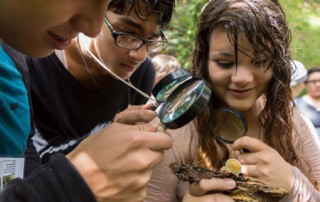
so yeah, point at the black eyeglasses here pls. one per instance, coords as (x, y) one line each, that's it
(133, 42)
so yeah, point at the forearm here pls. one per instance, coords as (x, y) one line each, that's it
(60, 144)
(302, 189)
(57, 180)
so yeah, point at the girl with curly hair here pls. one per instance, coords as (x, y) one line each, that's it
(242, 50)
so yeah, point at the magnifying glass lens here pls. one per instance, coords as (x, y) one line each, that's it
(183, 101)
(228, 125)
(167, 90)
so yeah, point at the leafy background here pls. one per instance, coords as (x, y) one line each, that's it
(303, 17)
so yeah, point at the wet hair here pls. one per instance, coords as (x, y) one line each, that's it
(145, 8)
(264, 24)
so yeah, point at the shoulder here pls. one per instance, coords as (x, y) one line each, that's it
(303, 130)
(12, 57)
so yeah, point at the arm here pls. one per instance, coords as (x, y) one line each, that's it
(59, 144)
(265, 164)
(302, 189)
(55, 181)
(115, 164)
(308, 167)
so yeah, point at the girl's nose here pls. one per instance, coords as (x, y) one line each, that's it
(242, 76)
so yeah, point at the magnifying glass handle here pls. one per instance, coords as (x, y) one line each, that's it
(244, 150)
(161, 128)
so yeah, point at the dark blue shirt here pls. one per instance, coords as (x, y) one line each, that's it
(309, 111)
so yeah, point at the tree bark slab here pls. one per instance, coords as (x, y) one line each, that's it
(247, 190)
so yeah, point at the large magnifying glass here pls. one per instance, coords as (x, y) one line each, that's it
(228, 125)
(179, 97)
(185, 99)
(169, 83)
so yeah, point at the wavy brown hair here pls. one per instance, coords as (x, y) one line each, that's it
(264, 24)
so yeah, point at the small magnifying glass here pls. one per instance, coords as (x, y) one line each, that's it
(228, 125)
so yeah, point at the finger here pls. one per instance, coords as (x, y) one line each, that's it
(148, 105)
(249, 143)
(147, 159)
(250, 171)
(214, 184)
(249, 158)
(134, 107)
(217, 197)
(156, 141)
(160, 141)
(135, 116)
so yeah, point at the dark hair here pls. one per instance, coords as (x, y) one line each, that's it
(264, 25)
(164, 7)
(313, 70)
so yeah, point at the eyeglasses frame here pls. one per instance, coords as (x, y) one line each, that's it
(115, 35)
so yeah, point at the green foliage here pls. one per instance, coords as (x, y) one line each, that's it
(302, 15)
(181, 33)
(304, 21)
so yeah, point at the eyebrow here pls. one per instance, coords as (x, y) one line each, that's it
(223, 53)
(128, 21)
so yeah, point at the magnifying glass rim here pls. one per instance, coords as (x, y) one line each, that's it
(238, 114)
(199, 104)
(169, 79)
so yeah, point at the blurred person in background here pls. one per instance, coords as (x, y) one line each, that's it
(164, 64)
(299, 76)
(309, 104)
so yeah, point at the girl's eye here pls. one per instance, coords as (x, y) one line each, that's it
(225, 64)
(261, 63)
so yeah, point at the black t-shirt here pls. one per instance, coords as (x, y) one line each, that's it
(65, 110)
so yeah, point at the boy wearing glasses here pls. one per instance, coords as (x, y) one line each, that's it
(309, 104)
(104, 166)
(73, 96)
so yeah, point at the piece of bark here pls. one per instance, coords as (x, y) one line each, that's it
(246, 190)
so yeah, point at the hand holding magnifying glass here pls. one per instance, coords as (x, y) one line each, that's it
(179, 97)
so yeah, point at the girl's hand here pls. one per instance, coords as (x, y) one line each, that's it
(209, 190)
(264, 163)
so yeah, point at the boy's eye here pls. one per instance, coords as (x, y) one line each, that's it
(126, 31)
(225, 64)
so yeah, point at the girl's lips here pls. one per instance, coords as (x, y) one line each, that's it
(241, 93)
(59, 42)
